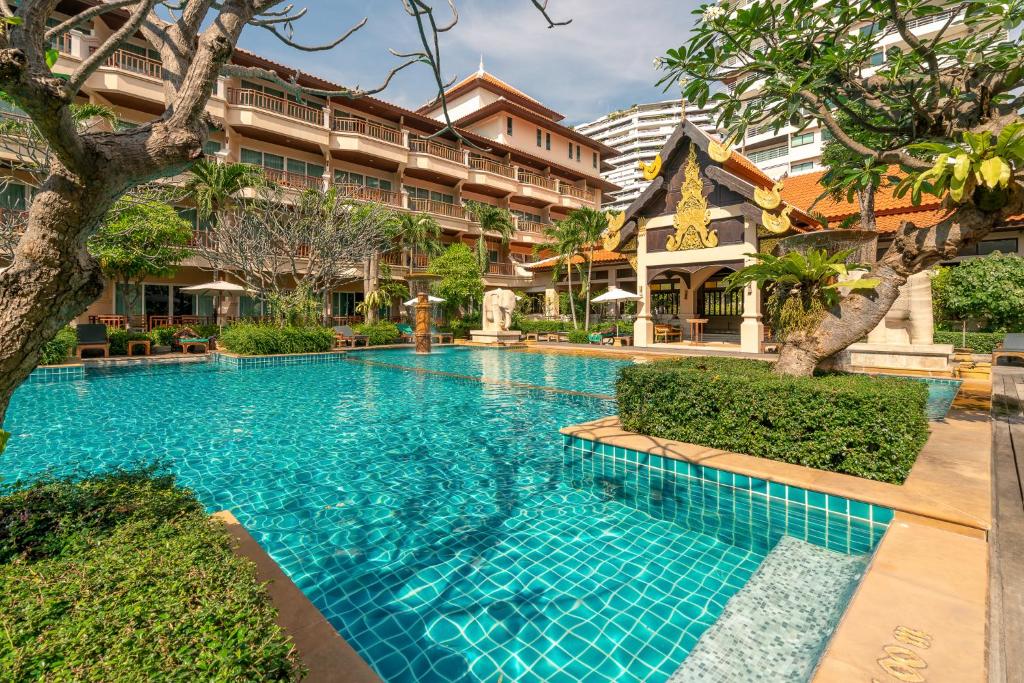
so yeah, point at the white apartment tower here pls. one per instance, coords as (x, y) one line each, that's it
(638, 133)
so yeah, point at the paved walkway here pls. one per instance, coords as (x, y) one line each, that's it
(1006, 647)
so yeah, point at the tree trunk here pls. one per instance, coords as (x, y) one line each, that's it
(572, 302)
(913, 250)
(586, 299)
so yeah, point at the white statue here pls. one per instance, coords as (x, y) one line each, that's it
(910, 320)
(498, 307)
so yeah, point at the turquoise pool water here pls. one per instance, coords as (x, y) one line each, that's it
(439, 523)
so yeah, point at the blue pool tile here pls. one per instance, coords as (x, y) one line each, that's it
(880, 515)
(740, 481)
(758, 485)
(860, 510)
(816, 499)
(837, 504)
(777, 490)
(795, 494)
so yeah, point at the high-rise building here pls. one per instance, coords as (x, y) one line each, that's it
(638, 133)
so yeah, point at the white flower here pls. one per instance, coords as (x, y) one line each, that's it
(712, 13)
(659, 62)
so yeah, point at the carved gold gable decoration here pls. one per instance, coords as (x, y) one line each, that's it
(777, 223)
(769, 199)
(652, 169)
(692, 213)
(613, 233)
(720, 151)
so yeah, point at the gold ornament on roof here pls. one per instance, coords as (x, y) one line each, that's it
(632, 258)
(777, 223)
(613, 233)
(652, 169)
(720, 151)
(769, 199)
(692, 213)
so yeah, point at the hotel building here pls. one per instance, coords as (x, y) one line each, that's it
(519, 157)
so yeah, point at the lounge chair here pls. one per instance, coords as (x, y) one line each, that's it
(92, 336)
(441, 336)
(667, 333)
(187, 339)
(346, 336)
(602, 337)
(408, 336)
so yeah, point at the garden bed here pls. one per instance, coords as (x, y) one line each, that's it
(124, 577)
(853, 424)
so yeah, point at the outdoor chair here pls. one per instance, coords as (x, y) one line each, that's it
(408, 336)
(667, 333)
(441, 336)
(346, 336)
(187, 339)
(92, 336)
(602, 337)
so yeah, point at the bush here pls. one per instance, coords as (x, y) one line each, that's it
(978, 342)
(124, 577)
(379, 333)
(869, 427)
(579, 337)
(162, 336)
(250, 339)
(119, 339)
(57, 350)
(526, 326)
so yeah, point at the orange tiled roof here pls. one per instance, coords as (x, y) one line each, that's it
(493, 80)
(547, 262)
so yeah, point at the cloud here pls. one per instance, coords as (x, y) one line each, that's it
(600, 62)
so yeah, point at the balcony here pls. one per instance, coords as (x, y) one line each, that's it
(502, 269)
(489, 176)
(574, 197)
(298, 181)
(278, 105)
(532, 227)
(354, 139)
(437, 208)
(539, 189)
(62, 44)
(363, 193)
(434, 161)
(136, 64)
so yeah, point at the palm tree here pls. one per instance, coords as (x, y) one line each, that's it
(590, 223)
(214, 187)
(494, 220)
(567, 243)
(420, 233)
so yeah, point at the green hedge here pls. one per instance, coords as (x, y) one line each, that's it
(119, 339)
(979, 342)
(57, 350)
(379, 333)
(123, 577)
(865, 426)
(460, 327)
(249, 339)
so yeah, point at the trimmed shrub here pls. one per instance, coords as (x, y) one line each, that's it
(870, 427)
(579, 337)
(379, 333)
(542, 326)
(460, 327)
(119, 339)
(163, 336)
(57, 350)
(124, 577)
(249, 339)
(978, 342)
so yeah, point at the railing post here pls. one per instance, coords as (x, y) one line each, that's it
(405, 138)
(327, 117)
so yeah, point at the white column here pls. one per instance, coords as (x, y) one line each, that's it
(751, 329)
(643, 327)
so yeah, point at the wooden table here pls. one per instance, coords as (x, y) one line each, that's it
(144, 343)
(186, 345)
(624, 340)
(697, 328)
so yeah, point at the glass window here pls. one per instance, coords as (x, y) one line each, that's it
(344, 303)
(508, 125)
(212, 147)
(570, 151)
(538, 137)
(187, 214)
(547, 141)
(440, 197)
(296, 166)
(128, 299)
(12, 196)
(273, 161)
(417, 192)
(801, 139)
(802, 166)
(385, 185)
(595, 159)
(876, 58)
(577, 152)
(492, 255)
(249, 307)
(869, 30)
(314, 170)
(251, 156)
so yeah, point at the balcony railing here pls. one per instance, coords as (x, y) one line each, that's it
(296, 180)
(418, 261)
(577, 192)
(278, 105)
(129, 61)
(507, 269)
(62, 43)
(492, 166)
(436, 207)
(766, 154)
(435, 149)
(371, 129)
(369, 194)
(531, 226)
(393, 258)
(528, 178)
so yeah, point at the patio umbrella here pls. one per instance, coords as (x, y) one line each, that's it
(615, 295)
(217, 288)
(430, 297)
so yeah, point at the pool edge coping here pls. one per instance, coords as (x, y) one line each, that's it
(322, 650)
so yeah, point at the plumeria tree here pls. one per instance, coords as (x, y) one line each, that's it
(52, 278)
(939, 116)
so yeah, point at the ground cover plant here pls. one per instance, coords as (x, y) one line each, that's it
(252, 339)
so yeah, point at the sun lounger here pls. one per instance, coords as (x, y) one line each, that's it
(441, 336)
(346, 336)
(92, 336)
(406, 332)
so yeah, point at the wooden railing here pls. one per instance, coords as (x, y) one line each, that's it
(507, 269)
(369, 194)
(129, 61)
(203, 238)
(436, 207)
(435, 149)
(419, 261)
(372, 129)
(297, 180)
(528, 178)
(577, 192)
(491, 166)
(393, 258)
(531, 226)
(278, 105)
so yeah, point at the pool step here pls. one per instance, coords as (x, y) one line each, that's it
(776, 627)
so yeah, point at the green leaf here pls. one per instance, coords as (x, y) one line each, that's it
(52, 56)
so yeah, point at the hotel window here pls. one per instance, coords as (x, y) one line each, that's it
(508, 125)
(12, 196)
(869, 30)
(876, 59)
(251, 156)
(538, 137)
(423, 193)
(273, 161)
(1006, 245)
(595, 159)
(547, 141)
(801, 167)
(212, 147)
(303, 168)
(570, 151)
(801, 139)
(577, 152)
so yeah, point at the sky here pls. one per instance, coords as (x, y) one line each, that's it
(600, 62)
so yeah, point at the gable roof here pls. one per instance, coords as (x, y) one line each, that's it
(488, 81)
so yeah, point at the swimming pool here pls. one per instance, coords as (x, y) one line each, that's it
(439, 522)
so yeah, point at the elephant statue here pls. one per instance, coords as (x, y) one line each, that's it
(498, 307)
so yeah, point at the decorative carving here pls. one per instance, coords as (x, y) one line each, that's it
(777, 223)
(692, 213)
(613, 234)
(769, 199)
(632, 258)
(652, 169)
(498, 307)
(720, 151)
(641, 227)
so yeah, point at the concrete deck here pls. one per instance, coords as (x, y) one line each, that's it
(1006, 662)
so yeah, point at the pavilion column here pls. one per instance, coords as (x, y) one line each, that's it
(751, 329)
(643, 327)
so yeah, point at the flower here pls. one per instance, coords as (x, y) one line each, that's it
(712, 13)
(658, 62)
